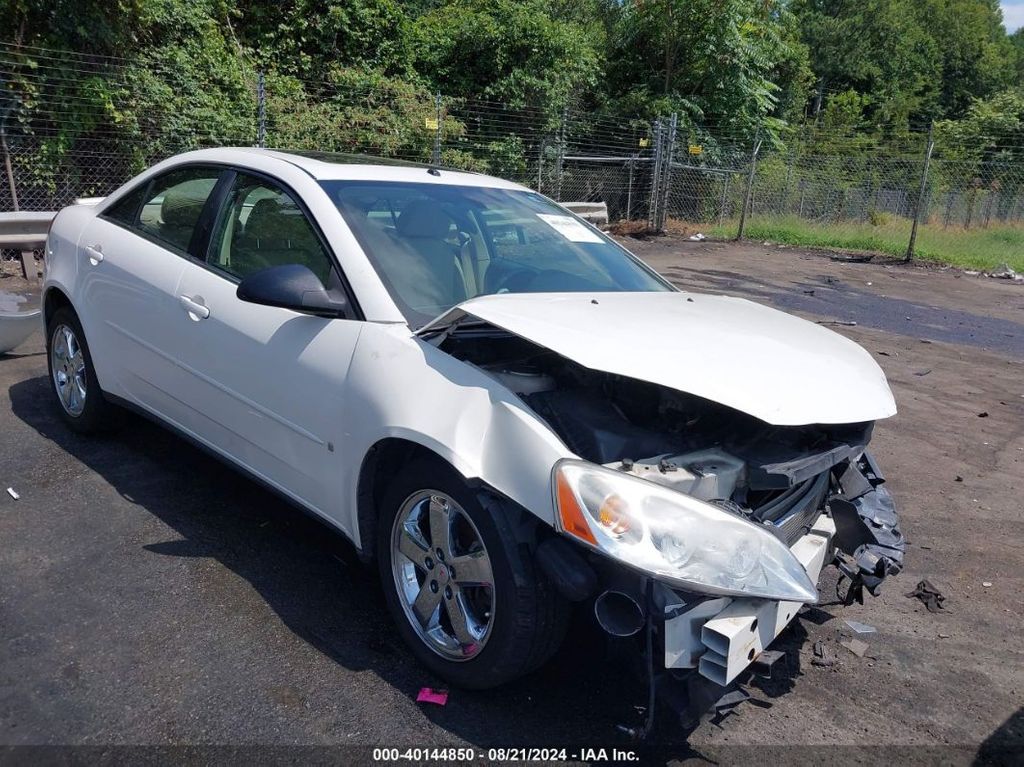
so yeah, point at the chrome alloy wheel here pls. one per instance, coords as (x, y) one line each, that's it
(67, 361)
(443, 575)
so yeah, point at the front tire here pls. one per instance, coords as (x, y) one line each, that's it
(460, 581)
(80, 400)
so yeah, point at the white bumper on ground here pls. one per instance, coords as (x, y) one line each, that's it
(721, 637)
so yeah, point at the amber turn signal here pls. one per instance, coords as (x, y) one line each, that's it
(570, 514)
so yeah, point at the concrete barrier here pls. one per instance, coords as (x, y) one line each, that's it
(594, 212)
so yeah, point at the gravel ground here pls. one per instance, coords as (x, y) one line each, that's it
(149, 595)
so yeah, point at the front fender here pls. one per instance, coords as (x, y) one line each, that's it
(402, 387)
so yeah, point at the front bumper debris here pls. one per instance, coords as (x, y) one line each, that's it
(869, 543)
(858, 531)
(721, 637)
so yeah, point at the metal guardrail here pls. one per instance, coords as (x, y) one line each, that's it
(26, 232)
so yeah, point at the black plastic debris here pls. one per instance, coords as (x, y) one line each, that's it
(731, 699)
(983, 414)
(930, 596)
(763, 663)
(870, 545)
(852, 258)
(923, 372)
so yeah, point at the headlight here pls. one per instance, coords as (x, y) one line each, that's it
(674, 537)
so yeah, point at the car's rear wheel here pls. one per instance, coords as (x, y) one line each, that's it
(80, 401)
(460, 583)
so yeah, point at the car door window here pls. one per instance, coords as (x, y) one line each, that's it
(172, 206)
(262, 226)
(126, 210)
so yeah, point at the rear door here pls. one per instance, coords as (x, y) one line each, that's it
(265, 385)
(131, 259)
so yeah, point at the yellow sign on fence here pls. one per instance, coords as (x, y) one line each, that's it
(696, 149)
(430, 123)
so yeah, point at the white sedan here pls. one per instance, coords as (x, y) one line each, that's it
(497, 403)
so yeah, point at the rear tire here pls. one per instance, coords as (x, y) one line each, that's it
(80, 401)
(494, 634)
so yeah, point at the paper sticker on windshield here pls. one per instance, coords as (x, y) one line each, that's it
(569, 228)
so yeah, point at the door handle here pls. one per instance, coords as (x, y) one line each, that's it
(196, 310)
(95, 253)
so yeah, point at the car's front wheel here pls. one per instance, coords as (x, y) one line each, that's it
(461, 582)
(73, 377)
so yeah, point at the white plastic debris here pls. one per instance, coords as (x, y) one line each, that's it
(11, 492)
(696, 237)
(986, 584)
(1005, 272)
(861, 628)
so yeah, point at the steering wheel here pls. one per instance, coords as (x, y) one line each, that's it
(511, 279)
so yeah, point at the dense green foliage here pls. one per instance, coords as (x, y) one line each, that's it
(157, 75)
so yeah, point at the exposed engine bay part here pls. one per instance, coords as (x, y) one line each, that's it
(705, 474)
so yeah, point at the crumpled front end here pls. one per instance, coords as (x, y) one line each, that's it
(688, 521)
(853, 525)
(842, 516)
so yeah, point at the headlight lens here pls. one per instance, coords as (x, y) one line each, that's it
(680, 539)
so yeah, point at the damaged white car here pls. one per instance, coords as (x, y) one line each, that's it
(497, 403)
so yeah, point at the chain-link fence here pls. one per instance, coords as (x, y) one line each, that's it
(805, 184)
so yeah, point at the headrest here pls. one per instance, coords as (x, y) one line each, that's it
(266, 219)
(183, 203)
(424, 218)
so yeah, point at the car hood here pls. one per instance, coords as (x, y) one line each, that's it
(769, 364)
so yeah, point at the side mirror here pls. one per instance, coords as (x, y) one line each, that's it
(291, 286)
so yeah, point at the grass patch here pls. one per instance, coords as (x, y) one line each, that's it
(970, 248)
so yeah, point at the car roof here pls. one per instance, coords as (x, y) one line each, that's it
(337, 166)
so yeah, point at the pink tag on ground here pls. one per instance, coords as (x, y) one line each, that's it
(428, 695)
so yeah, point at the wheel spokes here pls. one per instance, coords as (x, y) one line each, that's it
(439, 558)
(70, 344)
(413, 547)
(64, 388)
(426, 605)
(458, 615)
(440, 525)
(472, 569)
(60, 346)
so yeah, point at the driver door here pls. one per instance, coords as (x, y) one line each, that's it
(265, 385)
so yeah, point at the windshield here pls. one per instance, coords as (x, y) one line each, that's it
(436, 245)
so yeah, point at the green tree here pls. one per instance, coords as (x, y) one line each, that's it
(505, 50)
(1017, 41)
(306, 38)
(914, 60)
(731, 62)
